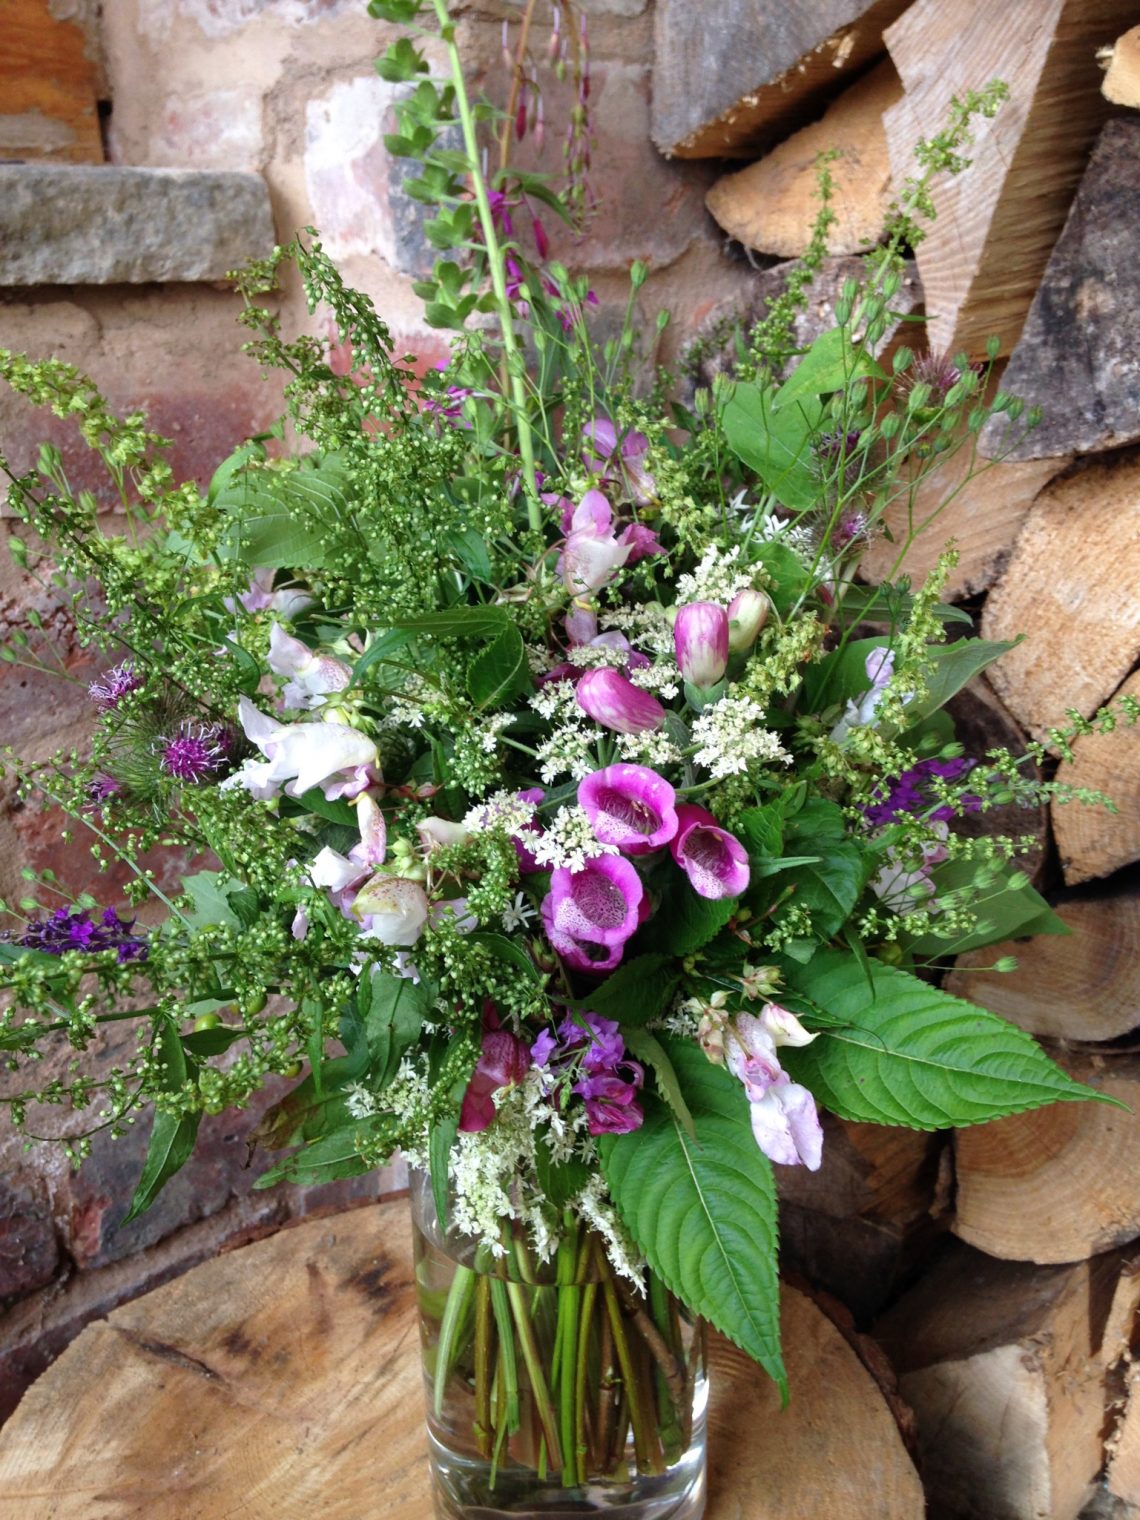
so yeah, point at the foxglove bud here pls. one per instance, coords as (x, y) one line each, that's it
(747, 613)
(700, 640)
(612, 700)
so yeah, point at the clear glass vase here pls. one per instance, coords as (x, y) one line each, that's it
(555, 1388)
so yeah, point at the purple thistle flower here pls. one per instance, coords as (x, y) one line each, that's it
(837, 445)
(851, 525)
(63, 930)
(910, 793)
(110, 689)
(195, 752)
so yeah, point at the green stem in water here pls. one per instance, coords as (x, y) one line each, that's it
(581, 1364)
(483, 1321)
(516, 364)
(531, 1356)
(569, 1303)
(508, 1362)
(454, 1312)
(642, 1442)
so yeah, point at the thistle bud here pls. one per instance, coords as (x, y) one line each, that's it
(700, 642)
(747, 613)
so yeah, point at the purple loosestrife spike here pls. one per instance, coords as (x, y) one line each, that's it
(110, 689)
(747, 613)
(700, 641)
(629, 806)
(612, 700)
(714, 860)
(64, 930)
(195, 752)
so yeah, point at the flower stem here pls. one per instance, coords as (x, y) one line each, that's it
(533, 1360)
(516, 364)
(581, 1364)
(454, 1312)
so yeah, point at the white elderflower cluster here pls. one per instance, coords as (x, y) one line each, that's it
(359, 1102)
(569, 841)
(503, 811)
(492, 726)
(555, 701)
(589, 656)
(717, 578)
(647, 627)
(799, 538)
(569, 751)
(594, 1206)
(653, 749)
(663, 679)
(730, 735)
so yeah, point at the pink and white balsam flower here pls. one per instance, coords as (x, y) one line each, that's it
(601, 455)
(612, 700)
(313, 676)
(629, 806)
(860, 712)
(591, 554)
(700, 642)
(590, 914)
(298, 756)
(785, 1123)
(714, 860)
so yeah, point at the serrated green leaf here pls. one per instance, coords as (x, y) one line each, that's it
(649, 1050)
(500, 671)
(686, 922)
(458, 622)
(902, 1052)
(703, 1210)
(639, 990)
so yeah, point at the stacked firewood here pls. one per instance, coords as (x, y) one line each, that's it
(998, 1267)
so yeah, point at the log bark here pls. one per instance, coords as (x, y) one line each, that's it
(1006, 1368)
(1077, 356)
(1122, 70)
(1078, 989)
(1059, 1183)
(1092, 841)
(978, 504)
(283, 1381)
(1070, 586)
(998, 220)
(859, 1225)
(1123, 1476)
(773, 204)
(729, 77)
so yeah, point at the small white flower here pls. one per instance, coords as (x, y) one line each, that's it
(360, 1103)
(717, 578)
(518, 915)
(730, 734)
(569, 841)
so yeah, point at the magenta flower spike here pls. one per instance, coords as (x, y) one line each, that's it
(591, 913)
(629, 806)
(700, 641)
(714, 860)
(612, 700)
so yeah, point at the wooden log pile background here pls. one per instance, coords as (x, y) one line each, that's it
(998, 1268)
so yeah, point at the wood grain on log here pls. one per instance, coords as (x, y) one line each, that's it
(998, 220)
(283, 1380)
(773, 204)
(1075, 989)
(1070, 586)
(47, 87)
(1124, 1447)
(1005, 1367)
(1078, 357)
(743, 72)
(1059, 1183)
(1092, 841)
(1122, 70)
(982, 515)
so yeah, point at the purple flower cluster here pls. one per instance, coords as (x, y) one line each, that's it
(110, 689)
(910, 793)
(589, 1053)
(195, 751)
(63, 931)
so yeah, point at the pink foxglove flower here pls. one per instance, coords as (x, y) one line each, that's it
(503, 1061)
(612, 700)
(700, 641)
(313, 676)
(747, 613)
(590, 914)
(714, 860)
(629, 806)
(298, 756)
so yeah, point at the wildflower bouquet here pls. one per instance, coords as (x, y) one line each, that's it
(563, 812)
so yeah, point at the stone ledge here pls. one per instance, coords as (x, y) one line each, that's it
(65, 224)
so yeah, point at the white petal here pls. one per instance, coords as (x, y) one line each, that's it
(332, 870)
(392, 910)
(287, 655)
(258, 727)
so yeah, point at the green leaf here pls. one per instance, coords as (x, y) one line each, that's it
(342, 813)
(458, 622)
(170, 1146)
(560, 1181)
(955, 665)
(839, 676)
(899, 1051)
(500, 671)
(703, 1210)
(393, 1009)
(777, 444)
(331, 1157)
(508, 950)
(831, 364)
(831, 885)
(1006, 913)
(638, 991)
(382, 647)
(210, 903)
(401, 62)
(649, 1050)
(686, 922)
(440, 1141)
(283, 516)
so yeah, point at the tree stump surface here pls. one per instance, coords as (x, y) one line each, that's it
(283, 1380)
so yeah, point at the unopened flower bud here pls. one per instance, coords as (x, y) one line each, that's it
(700, 641)
(747, 613)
